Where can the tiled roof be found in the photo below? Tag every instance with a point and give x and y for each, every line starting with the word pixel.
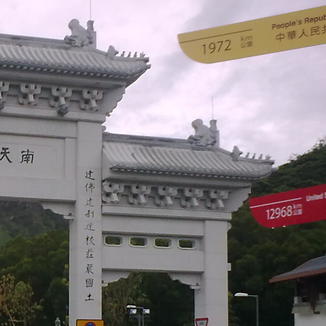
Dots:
pixel 55 56
pixel 312 267
pixel 164 156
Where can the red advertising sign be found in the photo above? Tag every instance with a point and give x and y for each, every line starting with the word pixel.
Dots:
pixel 291 207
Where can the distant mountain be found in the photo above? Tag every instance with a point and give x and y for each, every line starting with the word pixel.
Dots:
pixel 26 219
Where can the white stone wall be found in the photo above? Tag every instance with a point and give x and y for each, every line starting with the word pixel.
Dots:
pixel 49 173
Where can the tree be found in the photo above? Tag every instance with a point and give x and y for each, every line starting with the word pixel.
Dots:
pixel 170 302
pixel 117 295
pixel 41 262
pixel 16 301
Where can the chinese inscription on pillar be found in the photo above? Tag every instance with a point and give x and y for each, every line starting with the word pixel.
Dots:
pixel 91 220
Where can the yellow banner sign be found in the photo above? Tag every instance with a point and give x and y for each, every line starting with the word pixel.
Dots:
pixel 261 36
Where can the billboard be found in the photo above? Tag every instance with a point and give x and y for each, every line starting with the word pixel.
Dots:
pixel 291 207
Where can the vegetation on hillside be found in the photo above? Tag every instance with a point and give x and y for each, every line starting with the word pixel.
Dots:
pixel 257 254
pixel 26 220
pixel 41 264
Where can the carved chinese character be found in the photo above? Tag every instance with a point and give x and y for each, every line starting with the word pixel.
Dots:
pixel 89 298
pixel 89 187
pixel 4 154
pixel 89 282
pixel 89 202
pixel 89 175
pixel 89 269
pixel 90 253
pixel 27 156
pixel 90 227
pixel 90 240
pixel 90 214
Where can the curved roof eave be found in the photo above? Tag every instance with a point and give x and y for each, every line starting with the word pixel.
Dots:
pixel 312 267
pixel 56 57
pixel 172 157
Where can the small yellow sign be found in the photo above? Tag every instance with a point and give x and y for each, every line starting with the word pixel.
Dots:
pixel 261 36
pixel 89 322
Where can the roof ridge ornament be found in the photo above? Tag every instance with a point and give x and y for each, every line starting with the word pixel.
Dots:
pixel 236 153
pixel 81 36
pixel 112 53
pixel 205 136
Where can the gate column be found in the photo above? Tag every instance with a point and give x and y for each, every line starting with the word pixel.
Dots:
pixel 208 299
pixel 85 229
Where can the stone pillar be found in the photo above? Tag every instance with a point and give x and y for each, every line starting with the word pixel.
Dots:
pixel 211 300
pixel 85 270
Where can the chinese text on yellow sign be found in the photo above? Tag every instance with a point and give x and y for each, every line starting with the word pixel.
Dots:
pixel 266 35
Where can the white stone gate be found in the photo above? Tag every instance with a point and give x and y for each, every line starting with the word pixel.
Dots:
pixel 134 203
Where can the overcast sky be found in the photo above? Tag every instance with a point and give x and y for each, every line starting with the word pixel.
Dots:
pixel 272 104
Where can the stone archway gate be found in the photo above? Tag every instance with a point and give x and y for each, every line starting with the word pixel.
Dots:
pixel 134 203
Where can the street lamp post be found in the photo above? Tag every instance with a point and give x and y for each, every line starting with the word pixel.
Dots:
pixel 241 294
pixel 139 312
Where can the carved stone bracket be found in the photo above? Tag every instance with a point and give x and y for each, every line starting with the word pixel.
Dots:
pixel 216 198
pixel 90 98
pixel 29 94
pixel 191 197
pixel 138 194
pixel 4 88
pixel 60 97
pixel 165 195
pixel 229 200
pixel 111 192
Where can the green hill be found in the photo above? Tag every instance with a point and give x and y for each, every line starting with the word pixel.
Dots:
pixel 26 219
pixel 257 253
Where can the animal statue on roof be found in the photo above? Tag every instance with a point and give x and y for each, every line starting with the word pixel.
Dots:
pixel 80 36
pixel 204 136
